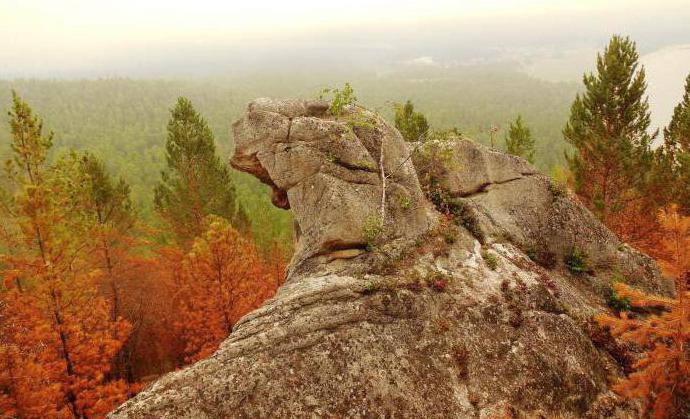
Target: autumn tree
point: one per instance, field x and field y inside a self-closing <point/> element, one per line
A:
<point x="196" y="183"/>
<point x="59" y="332"/>
<point x="609" y="130"/>
<point x="519" y="141"/>
<point x="223" y="278"/>
<point x="412" y="125"/>
<point x="661" y="380"/>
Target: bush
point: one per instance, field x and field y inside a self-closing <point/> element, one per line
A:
<point x="616" y="302"/>
<point x="340" y="100"/>
<point x="372" y="231"/>
<point x="461" y="213"/>
<point x="577" y="261"/>
<point x="557" y="189"/>
<point x="541" y="256"/>
<point x="490" y="259"/>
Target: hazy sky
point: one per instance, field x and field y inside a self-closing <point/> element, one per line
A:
<point x="54" y="38"/>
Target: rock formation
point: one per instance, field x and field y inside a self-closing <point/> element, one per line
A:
<point x="411" y="314"/>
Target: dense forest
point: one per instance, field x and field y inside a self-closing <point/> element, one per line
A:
<point x="123" y="121"/>
<point x="129" y="248"/>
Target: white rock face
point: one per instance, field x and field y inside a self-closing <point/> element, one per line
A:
<point x="434" y="323"/>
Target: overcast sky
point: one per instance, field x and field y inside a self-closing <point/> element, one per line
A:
<point x="80" y="38"/>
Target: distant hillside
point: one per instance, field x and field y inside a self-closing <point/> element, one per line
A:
<point x="124" y="121"/>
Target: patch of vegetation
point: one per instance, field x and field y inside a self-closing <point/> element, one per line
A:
<point x="516" y="297"/>
<point x="340" y="98"/>
<point x="542" y="256"/>
<point x="369" y="287"/>
<point x="404" y="201"/>
<point x="461" y="356"/>
<point x="330" y="157"/>
<point x="617" y="302"/>
<point x="557" y="189"/>
<point x="449" y="235"/>
<point x="372" y="231"/>
<point x="365" y="164"/>
<point x="461" y="213"/>
<point x="437" y="281"/>
<point x="490" y="259"/>
<point x="360" y="120"/>
<point x="577" y="261"/>
<point x="602" y="338"/>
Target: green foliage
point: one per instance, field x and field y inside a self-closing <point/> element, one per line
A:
<point x="461" y="213"/>
<point x="340" y="99"/>
<point x="404" y="201"/>
<point x="412" y="125"/>
<point x="124" y="121"/>
<point x="674" y="157"/>
<point x="196" y="183"/>
<point x="519" y="141"/>
<point x="609" y="128"/>
<point x="616" y="302"/>
<point x="677" y="133"/>
<point x="542" y="256"/>
<point x="372" y="231"/>
<point x="490" y="259"/>
<point x="94" y="192"/>
<point x="557" y="189"/>
<point x="577" y="261"/>
<point x="28" y="144"/>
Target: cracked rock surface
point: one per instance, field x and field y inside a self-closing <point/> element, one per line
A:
<point x="434" y="323"/>
<point x="327" y="170"/>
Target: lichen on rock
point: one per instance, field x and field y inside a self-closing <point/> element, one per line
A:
<point x="423" y="325"/>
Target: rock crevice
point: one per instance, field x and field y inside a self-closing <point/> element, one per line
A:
<point x="428" y="322"/>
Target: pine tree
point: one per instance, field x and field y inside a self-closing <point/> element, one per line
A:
<point x="519" y="141"/>
<point x="608" y="128"/>
<point x="412" y="125"/>
<point x="677" y="133"/>
<point x="222" y="279"/>
<point x="60" y="336"/>
<point x="677" y="152"/>
<point x="196" y="183"/>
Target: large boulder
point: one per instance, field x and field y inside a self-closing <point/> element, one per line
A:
<point x="328" y="171"/>
<point x="482" y="318"/>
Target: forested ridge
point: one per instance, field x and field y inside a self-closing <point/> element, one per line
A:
<point x="129" y="248"/>
<point x="123" y="121"/>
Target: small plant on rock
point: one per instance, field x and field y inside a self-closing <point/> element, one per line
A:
<point x="617" y="302"/>
<point x="340" y="98"/>
<point x="372" y="231"/>
<point x="557" y="189"/>
<point x="577" y="261"/>
<point x="490" y="259"/>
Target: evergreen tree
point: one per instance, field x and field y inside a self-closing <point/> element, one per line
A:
<point x="196" y="183"/>
<point x="608" y="127"/>
<point x="677" y="134"/>
<point x="68" y="341"/>
<point x="677" y="151"/>
<point x="412" y="125"/>
<point x="519" y="141"/>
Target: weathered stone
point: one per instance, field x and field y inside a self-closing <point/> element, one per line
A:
<point x="473" y="167"/>
<point x="327" y="170"/>
<point x="418" y="328"/>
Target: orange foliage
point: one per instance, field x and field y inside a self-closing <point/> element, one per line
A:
<point x="662" y="377"/>
<point x="222" y="278"/>
<point x="85" y="314"/>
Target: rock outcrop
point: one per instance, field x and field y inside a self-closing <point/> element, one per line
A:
<point x="426" y="318"/>
<point x="327" y="170"/>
